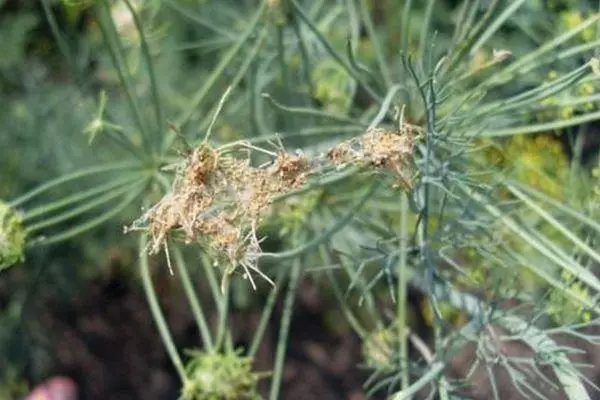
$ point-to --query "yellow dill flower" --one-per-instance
(563, 308)
(572, 19)
(539, 162)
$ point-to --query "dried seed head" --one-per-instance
(291, 168)
(379, 148)
(202, 163)
(386, 149)
(220, 200)
(339, 154)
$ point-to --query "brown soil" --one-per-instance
(106, 340)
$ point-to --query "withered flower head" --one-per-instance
(220, 200)
(379, 148)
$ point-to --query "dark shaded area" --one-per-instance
(104, 337)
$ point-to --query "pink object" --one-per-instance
(57, 388)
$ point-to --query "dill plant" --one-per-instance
(393, 188)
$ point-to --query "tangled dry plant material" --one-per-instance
(219, 199)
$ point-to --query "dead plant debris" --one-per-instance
(219, 198)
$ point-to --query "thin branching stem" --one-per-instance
(310, 112)
(158, 107)
(84, 173)
(241, 73)
(323, 40)
(216, 73)
(323, 238)
(284, 328)
(377, 47)
(90, 224)
(284, 75)
(83, 195)
(157, 314)
(222, 325)
(405, 25)
(339, 294)
(266, 313)
(306, 70)
(403, 237)
(79, 210)
(200, 20)
(117, 55)
(192, 297)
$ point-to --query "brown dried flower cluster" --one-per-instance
(220, 199)
(379, 148)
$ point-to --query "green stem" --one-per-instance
(77, 210)
(554, 222)
(345, 220)
(337, 291)
(559, 205)
(405, 24)
(71, 177)
(425, 27)
(403, 293)
(218, 71)
(78, 230)
(192, 297)
(117, 55)
(466, 44)
(323, 40)
(209, 270)
(305, 56)
(223, 306)
(266, 313)
(242, 70)
(284, 329)
(308, 133)
(157, 314)
(379, 52)
(282, 123)
(158, 109)
(433, 372)
(40, 211)
(62, 44)
(311, 112)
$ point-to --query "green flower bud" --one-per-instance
(378, 348)
(220, 376)
(12, 236)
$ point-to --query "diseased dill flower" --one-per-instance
(220, 376)
(12, 236)
(219, 200)
(381, 149)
